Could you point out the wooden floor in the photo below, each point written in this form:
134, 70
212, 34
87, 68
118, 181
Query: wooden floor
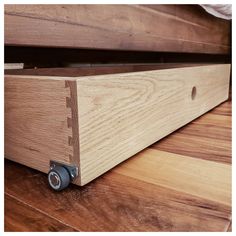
181, 183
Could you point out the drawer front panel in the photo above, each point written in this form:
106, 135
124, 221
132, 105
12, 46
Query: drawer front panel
36, 121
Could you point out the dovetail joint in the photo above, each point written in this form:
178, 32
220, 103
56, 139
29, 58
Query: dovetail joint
69, 119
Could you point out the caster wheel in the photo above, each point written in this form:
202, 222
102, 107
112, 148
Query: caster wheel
58, 178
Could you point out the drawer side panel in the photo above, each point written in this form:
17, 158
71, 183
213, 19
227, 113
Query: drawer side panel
121, 114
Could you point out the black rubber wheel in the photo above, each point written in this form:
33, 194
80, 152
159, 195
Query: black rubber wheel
59, 178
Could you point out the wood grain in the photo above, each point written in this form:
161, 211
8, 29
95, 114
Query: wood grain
197, 147
123, 27
99, 121
207, 138
23, 218
223, 110
121, 114
215, 120
116, 202
188, 140
36, 128
207, 129
188, 175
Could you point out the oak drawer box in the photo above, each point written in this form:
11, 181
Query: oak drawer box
94, 119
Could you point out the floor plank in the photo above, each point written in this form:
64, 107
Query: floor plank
194, 146
206, 179
224, 109
208, 137
214, 120
115, 202
23, 218
207, 131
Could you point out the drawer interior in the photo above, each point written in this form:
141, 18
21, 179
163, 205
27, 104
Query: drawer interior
98, 69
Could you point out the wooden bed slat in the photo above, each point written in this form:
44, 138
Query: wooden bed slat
169, 28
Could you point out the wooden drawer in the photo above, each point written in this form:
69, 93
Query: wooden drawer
95, 118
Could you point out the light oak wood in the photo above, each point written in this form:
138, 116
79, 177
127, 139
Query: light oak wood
176, 28
98, 121
119, 115
36, 121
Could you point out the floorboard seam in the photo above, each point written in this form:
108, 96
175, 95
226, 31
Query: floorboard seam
188, 156
42, 212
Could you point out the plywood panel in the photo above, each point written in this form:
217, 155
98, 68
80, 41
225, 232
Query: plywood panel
119, 115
